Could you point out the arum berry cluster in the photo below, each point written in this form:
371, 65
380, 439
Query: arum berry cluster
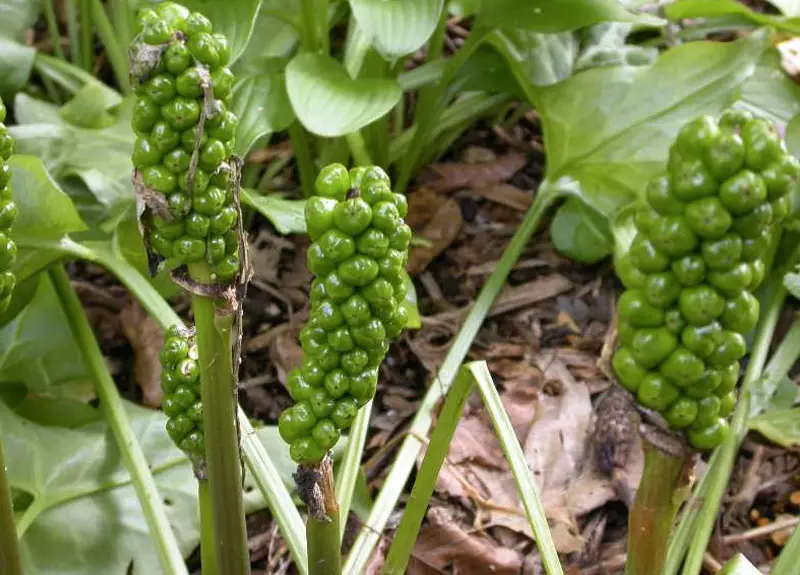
8, 213
180, 380
358, 258
185, 134
702, 232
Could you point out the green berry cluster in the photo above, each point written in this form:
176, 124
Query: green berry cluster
8, 213
171, 101
702, 232
180, 380
358, 258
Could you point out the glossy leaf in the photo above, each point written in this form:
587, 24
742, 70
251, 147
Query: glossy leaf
769, 92
605, 45
690, 9
397, 27
84, 516
262, 105
330, 103
287, 216
233, 18
614, 146
580, 233
781, 427
548, 16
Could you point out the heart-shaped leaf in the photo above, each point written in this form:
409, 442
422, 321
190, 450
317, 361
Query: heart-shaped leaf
397, 27
329, 102
614, 146
550, 16
233, 18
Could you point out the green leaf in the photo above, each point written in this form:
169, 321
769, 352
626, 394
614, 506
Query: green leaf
287, 216
16, 16
580, 233
615, 145
792, 283
89, 108
605, 45
58, 411
549, 16
330, 103
781, 427
16, 63
792, 136
410, 303
84, 516
397, 27
262, 105
767, 395
769, 92
272, 37
739, 565
233, 18
37, 348
690, 9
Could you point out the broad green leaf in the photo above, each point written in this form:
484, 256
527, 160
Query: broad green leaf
37, 348
781, 427
16, 63
262, 105
89, 108
84, 517
549, 16
272, 37
604, 45
286, 215
330, 103
739, 565
580, 233
767, 395
769, 92
788, 7
233, 18
397, 27
719, 8
487, 71
16, 16
792, 283
57, 411
463, 8
613, 146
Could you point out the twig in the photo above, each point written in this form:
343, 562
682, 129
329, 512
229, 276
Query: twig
758, 532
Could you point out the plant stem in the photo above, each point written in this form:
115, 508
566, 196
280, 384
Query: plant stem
407, 455
302, 155
358, 148
52, 28
322, 525
351, 463
322, 11
208, 547
653, 510
117, 56
414, 513
73, 31
213, 332
86, 35
10, 563
117, 417
726, 453
310, 38
122, 21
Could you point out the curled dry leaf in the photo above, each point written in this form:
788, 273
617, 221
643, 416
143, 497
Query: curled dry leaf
441, 231
451, 176
506, 195
422, 204
146, 340
285, 353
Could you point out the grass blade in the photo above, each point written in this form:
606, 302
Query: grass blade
351, 463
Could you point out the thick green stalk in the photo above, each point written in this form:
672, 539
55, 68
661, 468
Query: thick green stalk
302, 155
322, 525
117, 56
351, 463
114, 410
213, 332
9, 544
414, 513
726, 453
407, 455
322, 20
311, 40
208, 547
653, 510
355, 140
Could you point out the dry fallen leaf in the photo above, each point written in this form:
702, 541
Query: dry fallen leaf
285, 353
506, 195
146, 339
444, 547
422, 204
452, 176
441, 231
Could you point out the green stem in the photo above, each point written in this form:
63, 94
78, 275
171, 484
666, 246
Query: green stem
117, 56
310, 39
653, 510
302, 155
406, 534
726, 453
322, 19
351, 463
213, 332
358, 148
431, 98
122, 21
208, 547
10, 563
86, 35
117, 417
52, 28
322, 525
73, 31
407, 456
